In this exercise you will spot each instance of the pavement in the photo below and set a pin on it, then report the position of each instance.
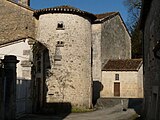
(113, 113)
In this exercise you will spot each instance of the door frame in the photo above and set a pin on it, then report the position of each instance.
(116, 93)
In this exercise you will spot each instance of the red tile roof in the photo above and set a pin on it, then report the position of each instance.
(73, 10)
(105, 16)
(123, 65)
(64, 9)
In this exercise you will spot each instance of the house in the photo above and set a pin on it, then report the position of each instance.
(122, 79)
(60, 51)
(151, 33)
(110, 40)
(65, 49)
(17, 29)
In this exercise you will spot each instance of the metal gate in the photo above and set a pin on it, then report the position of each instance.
(23, 97)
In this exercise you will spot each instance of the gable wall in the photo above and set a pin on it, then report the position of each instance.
(116, 42)
(96, 50)
(140, 82)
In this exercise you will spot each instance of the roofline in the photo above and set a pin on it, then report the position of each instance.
(139, 66)
(125, 25)
(26, 7)
(15, 41)
(105, 18)
(71, 10)
(110, 17)
(141, 63)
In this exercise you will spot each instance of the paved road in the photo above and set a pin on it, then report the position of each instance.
(114, 113)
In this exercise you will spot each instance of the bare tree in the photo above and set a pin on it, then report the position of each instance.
(134, 8)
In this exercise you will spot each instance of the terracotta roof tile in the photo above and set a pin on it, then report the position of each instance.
(123, 65)
(105, 16)
(64, 9)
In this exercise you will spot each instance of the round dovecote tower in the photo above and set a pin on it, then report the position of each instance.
(66, 33)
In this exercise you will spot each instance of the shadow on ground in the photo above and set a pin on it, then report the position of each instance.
(136, 104)
(50, 111)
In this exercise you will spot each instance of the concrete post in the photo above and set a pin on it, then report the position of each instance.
(10, 62)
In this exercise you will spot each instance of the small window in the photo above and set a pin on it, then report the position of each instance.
(60, 25)
(116, 76)
(60, 44)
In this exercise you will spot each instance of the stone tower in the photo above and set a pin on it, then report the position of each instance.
(66, 33)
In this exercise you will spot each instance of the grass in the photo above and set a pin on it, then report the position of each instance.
(81, 110)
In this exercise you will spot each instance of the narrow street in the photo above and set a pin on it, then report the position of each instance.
(113, 113)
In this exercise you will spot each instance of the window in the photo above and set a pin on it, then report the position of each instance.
(116, 76)
(60, 44)
(60, 25)
(58, 55)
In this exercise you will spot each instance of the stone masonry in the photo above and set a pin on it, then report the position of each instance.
(17, 22)
(150, 26)
(110, 40)
(75, 43)
(71, 80)
(115, 40)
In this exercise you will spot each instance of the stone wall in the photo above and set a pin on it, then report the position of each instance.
(16, 22)
(96, 51)
(116, 42)
(129, 84)
(69, 57)
(140, 83)
(151, 64)
(110, 40)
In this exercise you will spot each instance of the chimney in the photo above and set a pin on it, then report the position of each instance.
(24, 2)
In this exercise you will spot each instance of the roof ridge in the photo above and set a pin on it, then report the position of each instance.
(60, 6)
(105, 16)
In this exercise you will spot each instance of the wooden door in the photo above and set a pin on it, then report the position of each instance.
(116, 89)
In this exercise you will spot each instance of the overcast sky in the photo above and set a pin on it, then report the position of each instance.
(93, 6)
